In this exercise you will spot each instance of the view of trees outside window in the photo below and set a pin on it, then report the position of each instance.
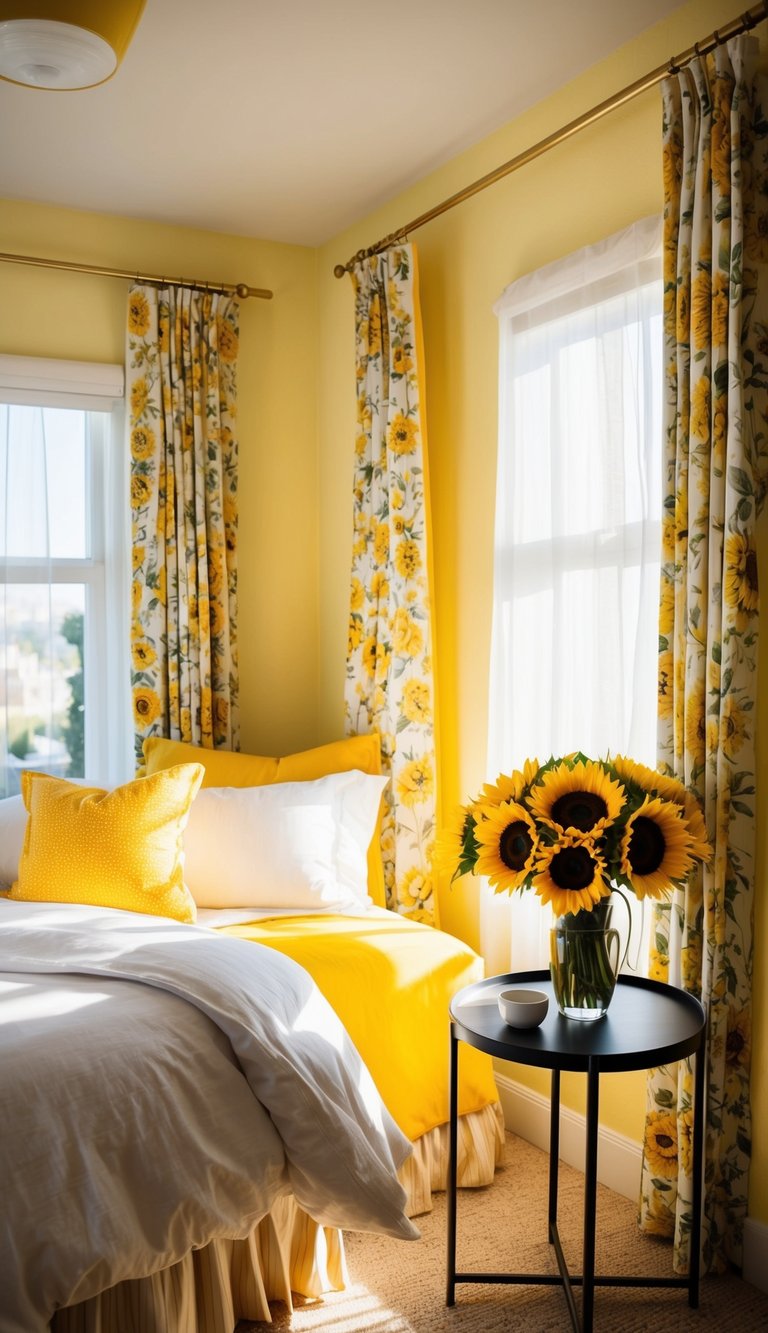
(41, 682)
(43, 537)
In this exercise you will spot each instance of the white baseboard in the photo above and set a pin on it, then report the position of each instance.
(755, 1264)
(526, 1113)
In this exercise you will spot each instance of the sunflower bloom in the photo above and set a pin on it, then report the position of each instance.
(738, 1047)
(138, 314)
(649, 780)
(741, 573)
(407, 636)
(510, 788)
(142, 443)
(582, 797)
(139, 396)
(407, 558)
(734, 727)
(656, 849)
(417, 701)
(370, 653)
(667, 608)
(696, 723)
(506, 840)
(143, 654)
(700, 409)
(401, 362)
(700, 845)
(402, 436)
(228, 341)
(140, 491)
(146, 705)
(661, 1144)
(381, 544)
(416, 782)
(570, 874)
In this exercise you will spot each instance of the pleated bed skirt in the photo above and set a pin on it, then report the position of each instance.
(210, 1289)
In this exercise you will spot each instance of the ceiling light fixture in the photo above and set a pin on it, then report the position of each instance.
(64, 44)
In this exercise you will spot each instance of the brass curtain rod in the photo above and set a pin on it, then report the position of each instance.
(223, 288)
(744, 23)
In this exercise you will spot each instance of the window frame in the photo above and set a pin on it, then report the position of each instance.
(627, 262)
(104, 572)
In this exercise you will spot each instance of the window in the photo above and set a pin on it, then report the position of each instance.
(578, 518)
(64, 679)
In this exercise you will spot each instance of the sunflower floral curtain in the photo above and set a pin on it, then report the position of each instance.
(181, 371)
(716, 458)
(390, 686)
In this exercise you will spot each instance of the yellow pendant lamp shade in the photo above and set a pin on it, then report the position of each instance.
(64, 44)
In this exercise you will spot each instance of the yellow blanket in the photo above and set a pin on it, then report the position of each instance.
(390, 981)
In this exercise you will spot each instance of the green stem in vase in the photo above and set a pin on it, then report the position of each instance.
(583, 973)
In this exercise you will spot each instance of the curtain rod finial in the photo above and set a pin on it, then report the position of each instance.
(340, 270)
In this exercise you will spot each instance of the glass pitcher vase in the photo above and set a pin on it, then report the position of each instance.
(584, 962)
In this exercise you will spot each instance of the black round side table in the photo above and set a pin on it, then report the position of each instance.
(648, 1024)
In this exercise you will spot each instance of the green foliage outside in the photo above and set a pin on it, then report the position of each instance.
(21, 746)
(74, 728)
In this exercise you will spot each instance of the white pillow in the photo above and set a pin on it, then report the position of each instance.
(289, 844)
(13, 826)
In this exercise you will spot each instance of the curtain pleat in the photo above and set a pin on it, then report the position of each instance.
(715, 470)
(390, 684)
(181, 371)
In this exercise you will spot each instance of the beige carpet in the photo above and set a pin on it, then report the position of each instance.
(399, 1286)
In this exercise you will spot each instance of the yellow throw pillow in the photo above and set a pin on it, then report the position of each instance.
(120, 848)
(227, 768)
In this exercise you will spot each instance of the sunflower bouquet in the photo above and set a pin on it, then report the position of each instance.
(573, 829)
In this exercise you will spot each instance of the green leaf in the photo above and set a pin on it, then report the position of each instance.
(721, 377)
(740, 481)
(664, 1097)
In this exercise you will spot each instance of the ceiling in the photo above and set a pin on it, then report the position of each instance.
(291, 119)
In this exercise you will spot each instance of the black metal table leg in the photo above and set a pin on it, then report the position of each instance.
(450, 1294)
(554, 1163)
(590, 1198)
(554, 1149)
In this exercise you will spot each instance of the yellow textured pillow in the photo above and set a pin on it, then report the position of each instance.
(226, 768)
(118, 848)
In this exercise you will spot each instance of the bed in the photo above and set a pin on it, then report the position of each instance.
(238, 1213)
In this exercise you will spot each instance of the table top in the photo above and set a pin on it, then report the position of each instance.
(648, 1023)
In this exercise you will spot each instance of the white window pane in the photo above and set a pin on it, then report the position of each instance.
(41, 680)
(43, 491)
(578, 531)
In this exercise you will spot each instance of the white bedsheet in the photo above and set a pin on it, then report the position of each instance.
(160, 1085)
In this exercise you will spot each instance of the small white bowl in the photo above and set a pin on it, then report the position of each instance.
(523, 1008)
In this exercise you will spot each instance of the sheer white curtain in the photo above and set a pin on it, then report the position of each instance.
(578, 523)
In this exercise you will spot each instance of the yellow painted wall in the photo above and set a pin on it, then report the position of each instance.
(57, 314)
(581, 191)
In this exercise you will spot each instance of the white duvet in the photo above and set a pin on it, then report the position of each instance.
(161, 1085)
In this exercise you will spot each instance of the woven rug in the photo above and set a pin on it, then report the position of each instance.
(399, 1286)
